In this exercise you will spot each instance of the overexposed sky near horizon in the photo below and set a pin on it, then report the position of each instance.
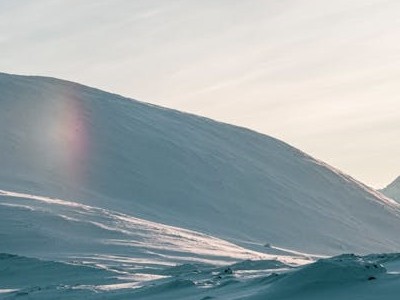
(321, 75)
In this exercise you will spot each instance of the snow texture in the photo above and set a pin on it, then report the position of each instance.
(104, 196)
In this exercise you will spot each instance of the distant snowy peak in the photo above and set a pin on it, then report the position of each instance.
(393, 189)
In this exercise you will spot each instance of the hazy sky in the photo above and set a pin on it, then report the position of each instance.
(322, 75)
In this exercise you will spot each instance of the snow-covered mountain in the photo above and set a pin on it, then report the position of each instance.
(102, 181)
(64, 140)
(393, 189)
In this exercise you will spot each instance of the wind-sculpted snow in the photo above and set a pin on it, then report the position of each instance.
(56, 229)
(333, 278)
(28, 277)
(109, 253)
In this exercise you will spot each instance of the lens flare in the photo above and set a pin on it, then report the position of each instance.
(73, 138)
(64, 137)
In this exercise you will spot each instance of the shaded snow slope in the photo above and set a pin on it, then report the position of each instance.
(64, 140)
(393, 189)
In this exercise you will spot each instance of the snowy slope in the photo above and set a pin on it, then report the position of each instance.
(393, 190)
(106, 197)
(64, 140)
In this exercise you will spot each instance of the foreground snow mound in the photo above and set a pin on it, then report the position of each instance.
(68, 141)
(342, 277)
(328, 273)
(393, 190)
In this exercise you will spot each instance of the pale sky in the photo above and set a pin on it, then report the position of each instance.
(322, 75)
